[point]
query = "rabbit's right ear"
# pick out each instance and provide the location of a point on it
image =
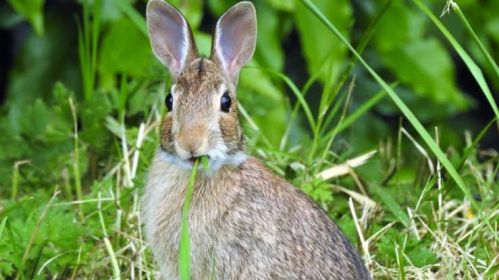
(171, 36)
(235, 38)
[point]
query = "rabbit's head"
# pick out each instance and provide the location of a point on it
(202, 118)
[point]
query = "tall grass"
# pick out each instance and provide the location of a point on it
(88, 36)
(411, 117)
(472, 66)
(464, 20)
(185, 247)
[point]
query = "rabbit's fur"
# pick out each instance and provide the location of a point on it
(244, 222)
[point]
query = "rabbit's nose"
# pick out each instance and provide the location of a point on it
(191, 138)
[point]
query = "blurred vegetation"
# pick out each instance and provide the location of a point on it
(83, 95)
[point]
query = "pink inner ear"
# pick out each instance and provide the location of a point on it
(228, 47)
(169, 35)
(236, 38)
(173, 34)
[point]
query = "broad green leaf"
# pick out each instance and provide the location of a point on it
(125, 50)
(192, 10)
(32, 10)
(283, 5)
(399, 26)
(421, 256)
(322, 50)
(430, 142)
(492, 27)
(422, 64)
(218, 7)
(268, 45)
(426, 66)
(135, 16)
(264, 101)
(203, 42)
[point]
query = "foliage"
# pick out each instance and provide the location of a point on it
(84, 100)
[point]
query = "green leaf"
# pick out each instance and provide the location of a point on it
(218, 7)
(322, 50)
(398, 27)
(203, 42)
(421, 256)
(422, 64)
(430, 142)
(264, 101)
(283, 5)
(474, 69)
(93, 113)
(125, 49)
(32, 10)
(391, 204)
(192, 10)
(269, 52)
(426, 66)
(2, 226)
(127, 8)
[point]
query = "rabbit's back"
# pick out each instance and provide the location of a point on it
(274, 231)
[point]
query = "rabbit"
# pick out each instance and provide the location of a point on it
(244, 221)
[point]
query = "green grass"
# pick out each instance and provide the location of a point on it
(185, 247)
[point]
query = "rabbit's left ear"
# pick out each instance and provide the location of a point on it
(235, 38)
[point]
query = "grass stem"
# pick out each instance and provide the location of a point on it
(185, 247)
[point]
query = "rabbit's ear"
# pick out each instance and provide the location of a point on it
(234, 39)
(171, 36)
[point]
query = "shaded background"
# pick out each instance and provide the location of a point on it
(40, 47)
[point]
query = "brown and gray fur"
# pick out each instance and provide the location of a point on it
(244, 222)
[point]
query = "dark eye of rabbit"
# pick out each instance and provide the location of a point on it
(225, 102)
(169, 101)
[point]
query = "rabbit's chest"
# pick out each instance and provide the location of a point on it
(162, 214)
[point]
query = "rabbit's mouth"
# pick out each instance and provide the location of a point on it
(215, 159)
(193, 159)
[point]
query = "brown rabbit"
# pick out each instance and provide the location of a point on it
(245, 222)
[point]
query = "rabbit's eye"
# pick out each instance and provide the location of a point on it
(169, 101)
(225, 102)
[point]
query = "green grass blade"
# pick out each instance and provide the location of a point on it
(402, 106)
(461, 15)
(299, 95)
(2, 226)
(206, 163)
(474, 69)
(364, 41)
(467, 152)
(185, 247)
(137, 19)
(371, 102)
(391, 204)
(95, 30)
